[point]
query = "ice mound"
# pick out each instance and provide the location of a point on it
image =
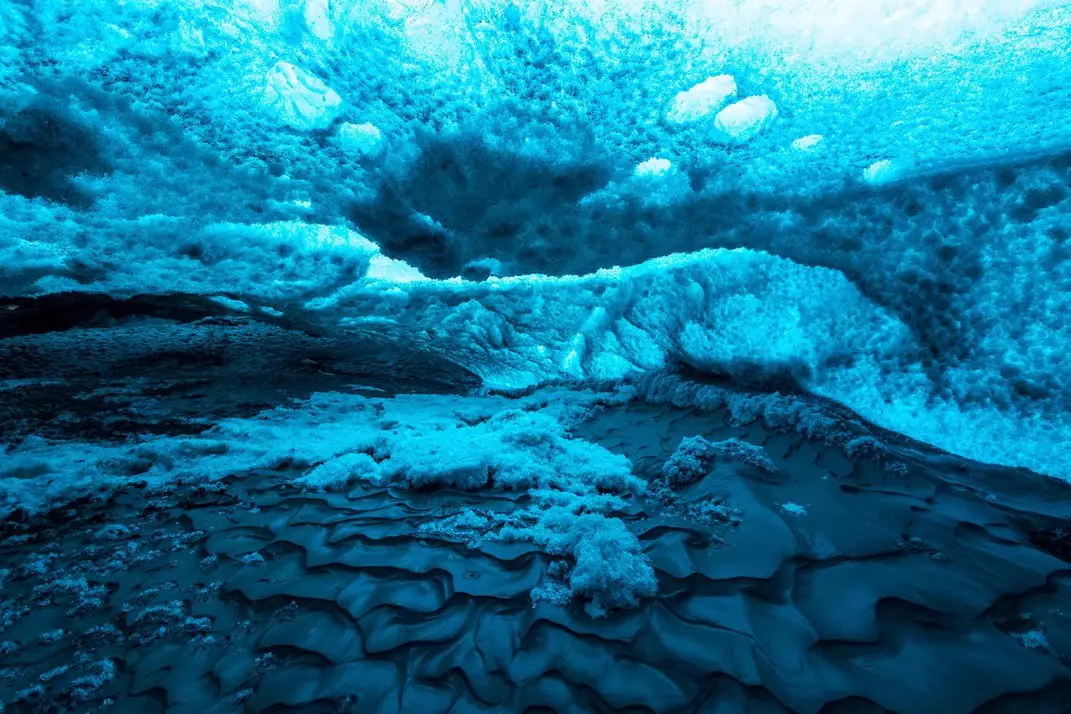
(702, 100)
(300, 99)
(747, 118)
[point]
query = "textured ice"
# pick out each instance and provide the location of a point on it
(362, 139)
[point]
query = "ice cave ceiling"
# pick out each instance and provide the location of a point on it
(870, 201)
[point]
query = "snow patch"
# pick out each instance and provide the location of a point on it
(810, 142)
(881, 172)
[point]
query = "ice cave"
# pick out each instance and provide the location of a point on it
(535, 356)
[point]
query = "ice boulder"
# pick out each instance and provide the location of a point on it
(361, 139)
(747, 118)
(300, 99)
(702, 100)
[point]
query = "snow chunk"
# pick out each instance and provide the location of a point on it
(337, 474)
(300, 99)
(745, 119)
(695, 458)
(793, 509)
(702, 100)
(654, 167)
(361, 139)
(881, 172)
(808, 143)
(318, 18)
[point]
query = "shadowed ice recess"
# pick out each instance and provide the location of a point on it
(539, 314)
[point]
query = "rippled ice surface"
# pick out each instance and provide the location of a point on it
(833, 568)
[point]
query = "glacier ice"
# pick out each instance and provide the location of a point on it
(566, 158)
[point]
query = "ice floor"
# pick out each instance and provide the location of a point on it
(843, 571)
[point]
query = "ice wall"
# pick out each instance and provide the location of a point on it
(903, 167)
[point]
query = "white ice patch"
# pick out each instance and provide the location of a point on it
(881, 172)
(654, 167)
(361, 139)
(318, 18)
(747, 118)
(702, 100)
(808, 143)
(793, 509)
(300, 99)
(392, 270)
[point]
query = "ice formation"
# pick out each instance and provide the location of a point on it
(702, 100)
(855, 199)
(302, 100)
(745, 119)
